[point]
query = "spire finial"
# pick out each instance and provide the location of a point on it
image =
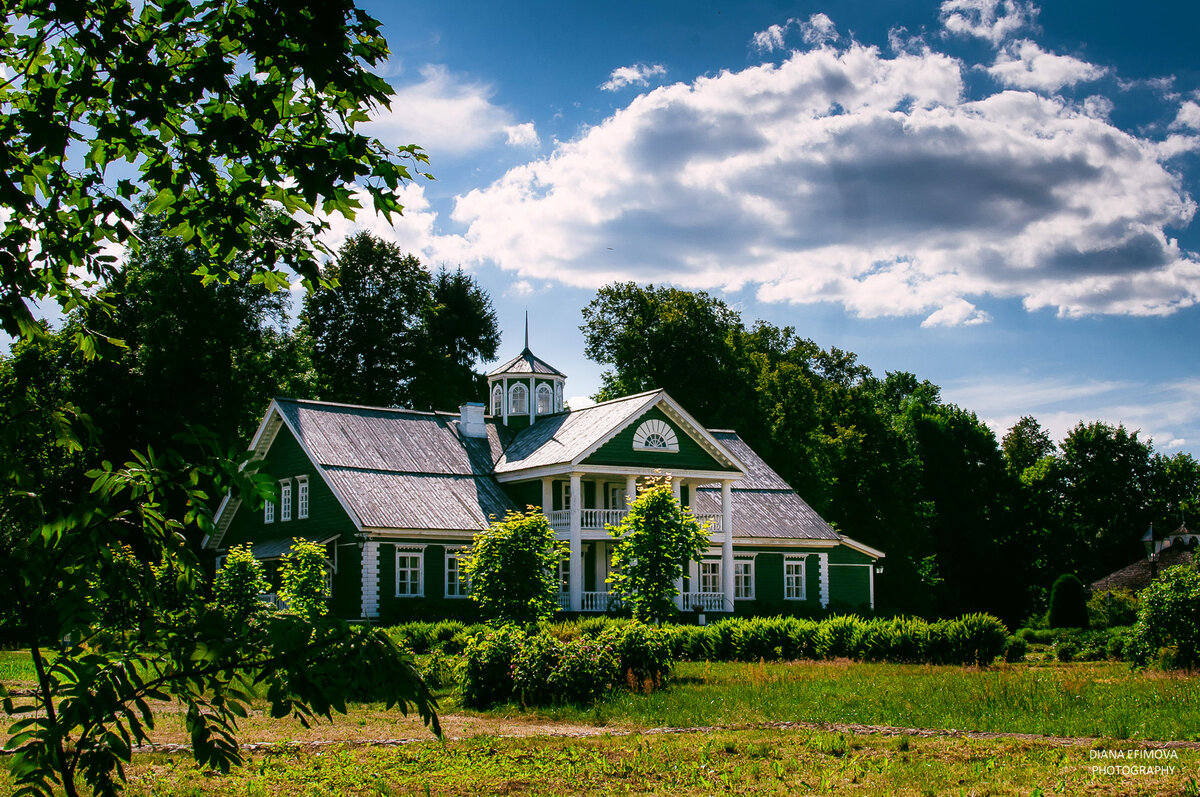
(526, 330)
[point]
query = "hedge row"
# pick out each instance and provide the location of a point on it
(540, 669)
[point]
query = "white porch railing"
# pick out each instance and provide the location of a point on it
(596, 601)
(564, 601)
(600, 519)
(710, 601)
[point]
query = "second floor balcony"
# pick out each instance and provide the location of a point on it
(595, 522)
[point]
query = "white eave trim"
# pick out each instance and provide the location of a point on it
(564, 470)
(862, 548)
(784, 542)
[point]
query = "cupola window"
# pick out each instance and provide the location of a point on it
(518, 403)
(544, 398)
(497, 401)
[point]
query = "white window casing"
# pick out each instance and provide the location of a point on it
(518, 399)
(794, 587)
(285, 500)
(457, 583)
(410, 569)
(743, 577)
(710, 576)
(545, 399)
(301, 497)
(269, 512)
(497, 401)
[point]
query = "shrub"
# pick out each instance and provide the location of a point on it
(238, 584)
(803, 642)
(486, 672)
(978, 639)
(643, 653)
(595, 626)
(760, 638)
(417, 637)
(586, 670)
(1112, 608)
(1168, 616)
(1065, 651)
(438, 671)
(302, 575)
(839, 637)
(718, 639)
(1014, 649)
(512, 566)
(563, 632)
(687, 642)
(1117, 642)
(532, 667)
(1068, 603)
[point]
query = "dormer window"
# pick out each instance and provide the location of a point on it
(544, 399)
(518, 400)
(497, 401)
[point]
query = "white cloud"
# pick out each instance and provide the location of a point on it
(771, 39)
(819, 29)
(1165, 412)
(994, 20)
(447, 115)
(636, 75)
(1188, 116)
(844, 176)
(1025, 65)
(520, 288)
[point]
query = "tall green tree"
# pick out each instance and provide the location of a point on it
(207, 111)
(1025, 444)
(654, 543)
(394, 335)
(513, 568)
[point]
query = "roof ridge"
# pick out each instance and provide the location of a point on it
(360, 469)
(344, 405)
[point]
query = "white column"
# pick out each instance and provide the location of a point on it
(547, 495)
(823, 558)
(727, 542)
(576, 542)
(871, 583)
(504, 403)
(675, 485)
(532, 402)
(598, 567)
(630, 488)
(370, 579)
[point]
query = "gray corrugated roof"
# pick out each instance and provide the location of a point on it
(763, 503)
(421, 501)
(527, 363)
(555, 439)
(273, 549)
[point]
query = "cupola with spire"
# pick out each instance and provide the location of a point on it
(525, 388)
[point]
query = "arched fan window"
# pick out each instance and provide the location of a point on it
(518, 400)
(655, 435)
(544, 399)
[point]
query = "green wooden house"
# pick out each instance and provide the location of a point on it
(395, 496)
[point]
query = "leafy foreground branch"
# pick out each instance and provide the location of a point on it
(141, 632)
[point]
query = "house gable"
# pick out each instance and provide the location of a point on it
(620, 450)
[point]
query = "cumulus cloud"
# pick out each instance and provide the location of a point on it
(1025, 65)
(636, 75)
(448, 115)
(771, 39)
(844, 176)
(817, 30)
(1188, 117)
(994, 20)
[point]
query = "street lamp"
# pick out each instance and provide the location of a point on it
(1153, 546)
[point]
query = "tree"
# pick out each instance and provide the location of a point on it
(207, 112)
(513, 568)
(1025, 444)
(654, 542)
(303, 584)
(1169, 617)
(1068, 603)
(392, 334)
(238, 584)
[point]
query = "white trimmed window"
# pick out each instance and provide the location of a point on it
(566, 495)
(301, 497)
(793, 578)
(269, 512)
(545, 399)
(285, 500)
(564, 575)
(518, 400)
(558, 404)
(457, 583)
(408, 574)
(710, 577)
(743, 578)
(497, 401)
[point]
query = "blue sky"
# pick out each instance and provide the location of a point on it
(996, 196)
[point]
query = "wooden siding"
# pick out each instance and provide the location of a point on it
(285, 459)
(619, 451)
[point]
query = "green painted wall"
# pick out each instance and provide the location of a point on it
(286, 459)
(524, 494)
(619, 450)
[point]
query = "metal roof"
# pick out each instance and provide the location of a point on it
(421, 501)
(560, 438)
(273, 549)
(526, 363)
(763, 503)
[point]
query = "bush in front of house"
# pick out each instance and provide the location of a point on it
(1111, 608)
(977, 639)
(1167, 631)
(643, 652)
(487, 666)
(1014, 649)
(839, 637)
(1068, 603)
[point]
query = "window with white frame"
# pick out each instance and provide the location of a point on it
(558, 403)
(457, 583)
(301, 497)
(285, 500)
(710, 576)
(269, 512)
(408, 574)
(518, 400)
(743, 578)
(497, 401)
(564, 575)
(545, 399)
(793, 578)
(566, 495)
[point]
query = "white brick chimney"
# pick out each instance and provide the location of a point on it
(470, 422)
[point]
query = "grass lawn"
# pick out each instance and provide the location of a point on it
(508, 750)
